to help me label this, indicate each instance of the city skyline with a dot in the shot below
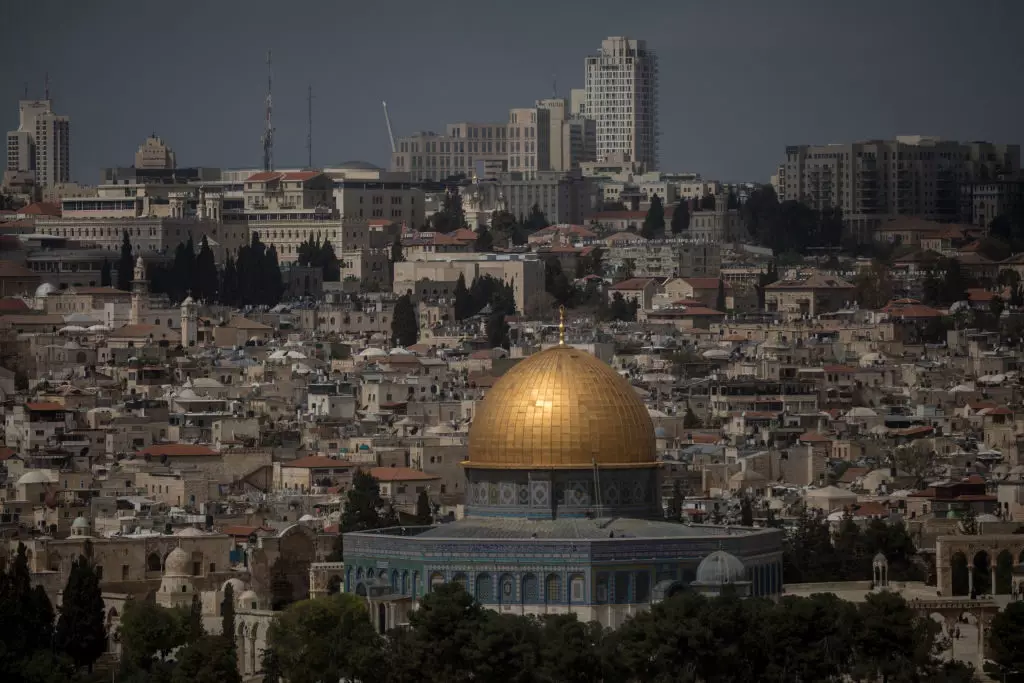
(737, 84)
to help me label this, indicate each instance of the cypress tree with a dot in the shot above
(404, 328)
(205, 287)
(125, 264)
(106, 277)
(81, 631)
(227, 611)
(463, 299)
(423, 512)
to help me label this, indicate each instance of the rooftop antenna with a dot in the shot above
(25, 95)
(309, 130)
(387, 120)
(268, 131)
(554, 86)
(46, 86)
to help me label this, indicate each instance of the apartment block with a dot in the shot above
(875, 180)
(622, 98)
(41, 145)
(470, 149)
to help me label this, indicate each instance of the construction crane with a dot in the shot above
(387, 120)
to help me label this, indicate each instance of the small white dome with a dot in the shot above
(720, 568)
(45, 289)
(35, 477)
(248, 600)
(80, 523)
(176, 563)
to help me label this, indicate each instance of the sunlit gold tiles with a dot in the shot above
(561, 408)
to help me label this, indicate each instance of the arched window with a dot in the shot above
(436, 579)
(553, 589)
(460, 580)
(153, 563)
(531, 593)
(484, 588)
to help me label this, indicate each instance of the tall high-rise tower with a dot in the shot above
(41, 144)
(622, 98)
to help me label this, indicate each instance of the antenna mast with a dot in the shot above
(268, 131)
(46, 86)
(387, 120)
(309, 131)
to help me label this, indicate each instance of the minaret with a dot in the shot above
(140, 293)
(189, 321)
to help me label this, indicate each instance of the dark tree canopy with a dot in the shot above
(405, 331)
(654, 221)
(125, 264)
(81, 627)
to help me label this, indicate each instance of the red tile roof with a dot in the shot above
(12, 305)
(400, 474)
(317, 462)
(633, 283)
(41, 209)
(45, 406)
(814, 437)
(6, 452)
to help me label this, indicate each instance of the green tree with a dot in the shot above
(364, 508)
(1006, 645)
(81, 628)
(807, 552)
(556, 283)
(206, 278)
(424, 515)
(148, 634)
(463, 300)
(484, 240)
(536, 220)
(681, 217)
(720, 298)
(443, 635)
(620, 308)
(654, 221)
(893, 642)
(194, 626)
(125, 264)
(405, 331)
(106, 276)
(873, 288)
(571, 650)
(497, 329)
(211, 659)
(326, 639)
(996, 308)
(451, 216)
(397, 255)
(690, 419)
(227, 615)
(506, 230)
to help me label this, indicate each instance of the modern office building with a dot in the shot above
(622, 98)
(875, 180)
(41, 144)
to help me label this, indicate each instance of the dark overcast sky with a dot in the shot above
(740, 79)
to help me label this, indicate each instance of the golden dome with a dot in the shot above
(561, 408)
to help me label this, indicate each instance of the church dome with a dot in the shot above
(176, 563)
(720, 568)
(559, 409)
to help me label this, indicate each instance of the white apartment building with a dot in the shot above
(622, 98)
(562, 197)
(674, 257)
(875, 180)
(41, 144)
(466, 148)
(529, 141)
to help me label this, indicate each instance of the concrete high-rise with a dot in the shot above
(875, 180)
(41, 144)
(573, 137)
(622, 98)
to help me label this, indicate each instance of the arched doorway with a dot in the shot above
(333, 585)
(981, 572)
(1004, 573)
(382, 618)
(960, 573)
